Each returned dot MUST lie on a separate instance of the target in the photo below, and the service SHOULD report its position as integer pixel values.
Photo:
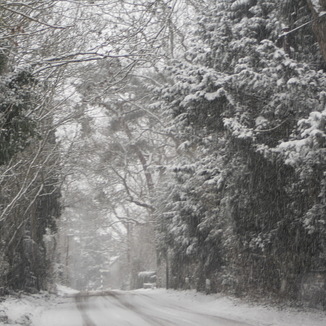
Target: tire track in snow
(81, 303)
(149, 311)
(152, 320)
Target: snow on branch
(79, 57)
(31, 18)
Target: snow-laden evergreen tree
(248, 100)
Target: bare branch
(32, 18)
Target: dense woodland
(182, 136)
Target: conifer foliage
(247, 100)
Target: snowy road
(148, 307)
(129, 308)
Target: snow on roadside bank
(227, 307)
(22, 309)
(65, 290)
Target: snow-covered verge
(21, 309)
(65, 291)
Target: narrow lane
(128, 308)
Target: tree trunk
(319, 23)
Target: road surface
(129, 308)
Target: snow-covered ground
(149, 307)
(21, 310)
(254, 314)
